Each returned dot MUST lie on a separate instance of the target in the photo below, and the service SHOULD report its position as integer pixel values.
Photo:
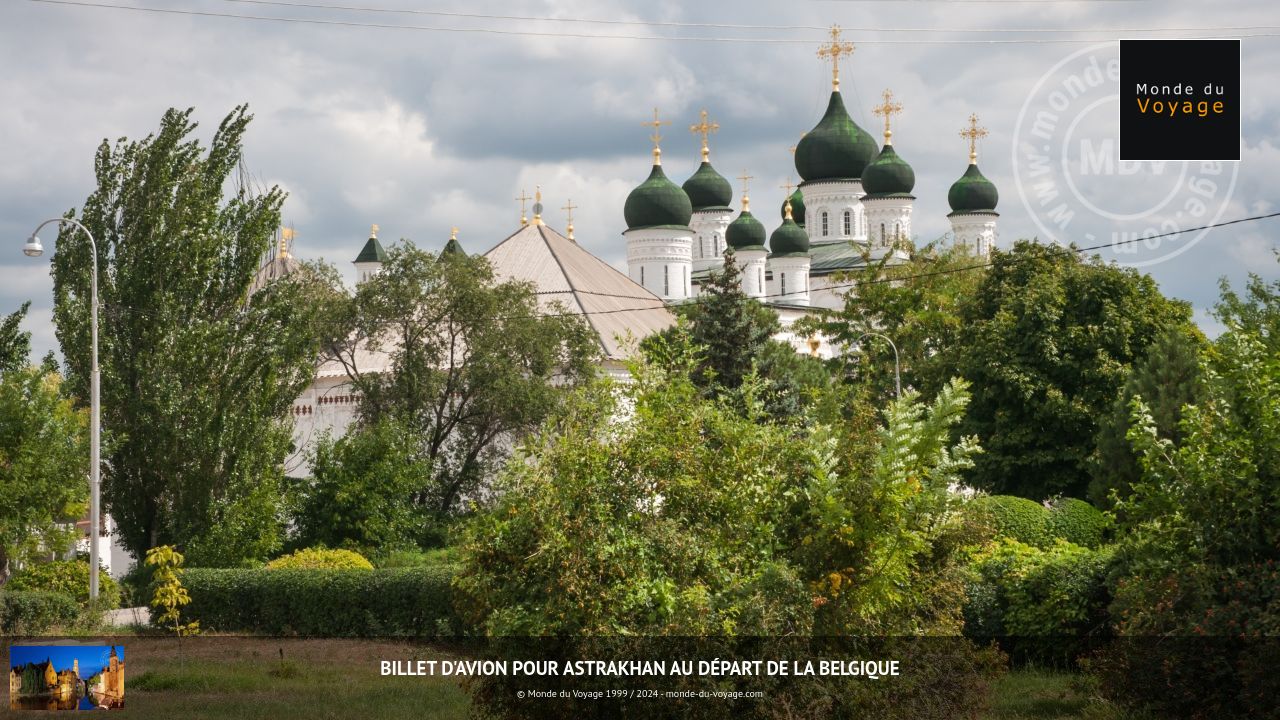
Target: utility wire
(728, 26)
(587, 36)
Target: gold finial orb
(973, 133)
(887, 109)
(835, 50)
(704, 129)
(656, 123)
(537, 205)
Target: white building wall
(975, 229)
(753, 263)
(709, 227)
(790, 280)
(834, 200)
(888, 218)
(661, 260)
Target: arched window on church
(760, 280)
(824, 223)
(784, 283)
(642, 275)
(666, 280)
(883, 237)
(897, 230)
(848, 223)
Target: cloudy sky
(418, 130)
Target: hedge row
(31, 612)
(1029, 522)
(331, 603)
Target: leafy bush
(1019, 591)
(1015, 518)
(321, 559)
(1078, 522)
(68, 577)
(31, 612)
(328, 603)
(419, 558)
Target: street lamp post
(33, 248)
(897, 368)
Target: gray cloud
(419, 131)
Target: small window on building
(642, 275)
(760, 280)
(824, 223)
(666, 279)
(848, 223)
(783, 278)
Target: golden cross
(373, 231)
(286, 237)
(568, 208)
(746, 179)
(524, 198)
(973, 133)
(656, 137)
(453, 233)
(704, 129)
(888, 110)
(834, 50)
(797, 145)
(786, 205)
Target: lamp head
(33, 248)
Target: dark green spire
(836, 148)
(707, 189)
(789, 239)
(888, 174)
(657, 202)
(973, 192)
(372, 251)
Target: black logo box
(1186, 68)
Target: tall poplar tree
(197, 376)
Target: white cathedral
(854, 204)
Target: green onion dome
(888, 174)
(657, 202)
(797, 207)
(973, 192)
(745, 232)
(788, 239)
(836, 148)
(707, 189)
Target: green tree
(474, 362)
(197, 376)
(734, 336)
(1166, 378)
(919, 305)
(1047, 342)
(44, 465)
(360, 494)
(15, 344)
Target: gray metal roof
(613, 304)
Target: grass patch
(1031, 694)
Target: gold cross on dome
(834, 50)
(888, 109)
(704, 129)
(524, 198)
(569, 208)
(453, 233)
(373, 231)
(786, 204)
(973, 133)
(746, 180)
(656, 123)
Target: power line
(945, 271)
(732, 26)
(587, 36)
